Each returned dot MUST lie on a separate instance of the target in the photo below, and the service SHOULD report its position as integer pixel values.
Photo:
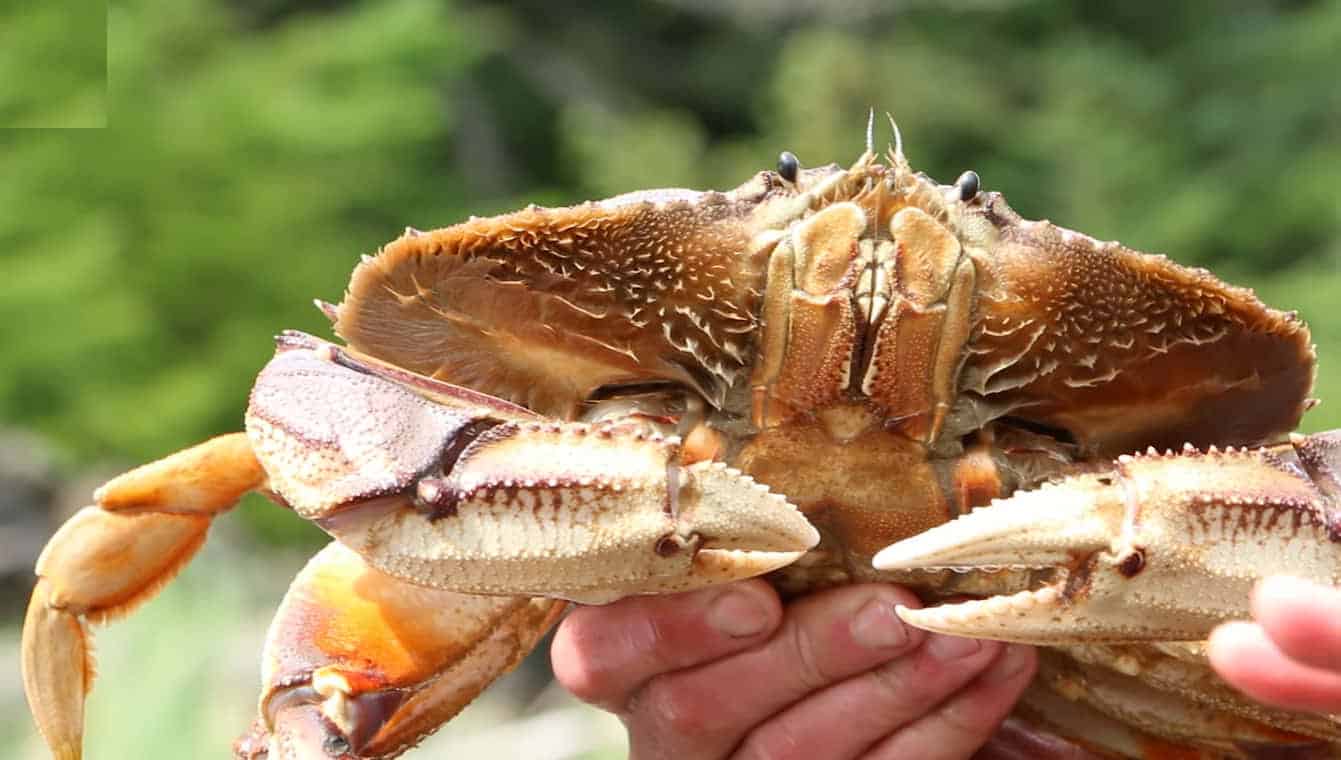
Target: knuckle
(806, 659)
(904, 692)
(775, 741)
(574, 667)
(580, 681)
(892, 685)
(968, 720)
(595, 654)
(666, 708)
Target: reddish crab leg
(110, 557)
(359, 664)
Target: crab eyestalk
(1164, 547)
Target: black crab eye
(968, 184)
(789, 166)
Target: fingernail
(1013, 662)
(738, 614)
(875, 626)
(945, 647)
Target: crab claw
(587, 513)
(452, 490)
(1163, 547)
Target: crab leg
(108, 558)
(358, 664)
(1163, 547)
(1194, 697)
(1094, 707)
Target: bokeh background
(254, 148)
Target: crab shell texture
(825, 375)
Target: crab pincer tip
(1043, 528)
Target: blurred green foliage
(53, 63)
(256, 147)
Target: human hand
(730, 672)
(1291, 656)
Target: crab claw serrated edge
(565, 510)
(1053, 526)
(1164, 547)
(1042, 528)
(745, 532)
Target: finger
(1245, 656)
(1017, 739)
(604, 654)
(825, 638)
(1302, 619)
(963, 723)
(889, 696)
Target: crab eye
(967, 184)
(789, 166)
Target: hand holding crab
(647, 660)
(729, 673)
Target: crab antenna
(898, 136)
(870, 130)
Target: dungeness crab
(673, 388)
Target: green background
(254, 148)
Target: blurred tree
(53, 64)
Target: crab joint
(435, 498)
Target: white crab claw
(451, 490)
(1163, 547)
(1043, 528)
(627, 521)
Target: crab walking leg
(145, 525)
(358, 664)
(1163, 547)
